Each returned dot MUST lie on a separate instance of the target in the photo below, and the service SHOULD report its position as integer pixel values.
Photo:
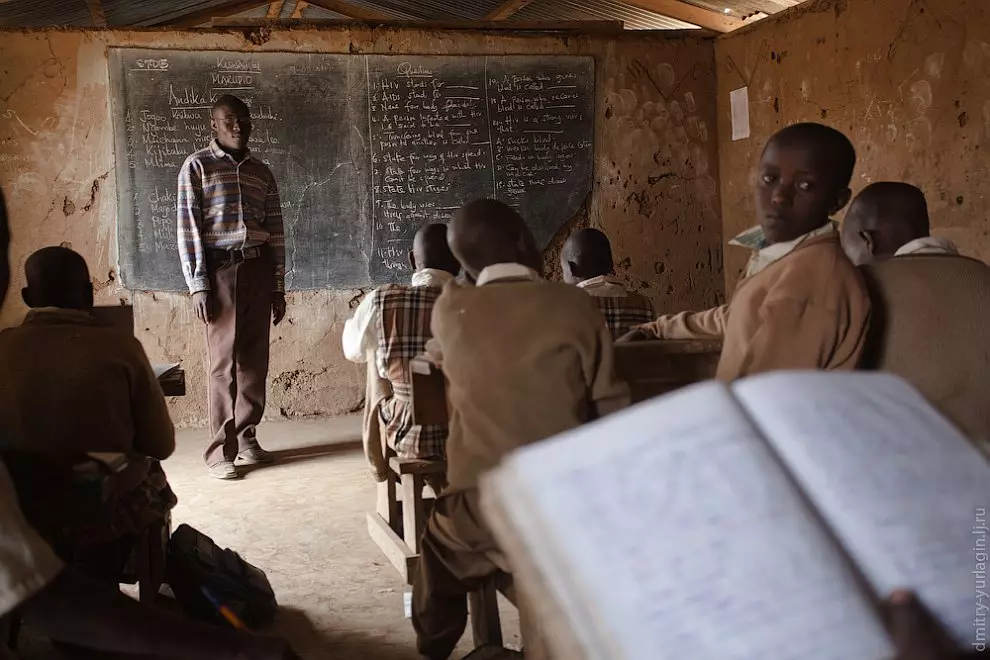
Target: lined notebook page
(670, 531)
(900, 486)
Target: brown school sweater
(932, 328)
(524, 360)
(808, 310)
(70, 384)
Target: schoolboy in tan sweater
(802, 304)
(525, 359)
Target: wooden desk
(652, 368)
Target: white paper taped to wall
(739, 103)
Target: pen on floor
(224, 611)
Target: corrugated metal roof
(598, 10)
(37, 13)
(127, 12)
(434, 10)
(740, 8)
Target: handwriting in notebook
(897, 483)
(699, 546)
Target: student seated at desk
(525, 359)
(70, 385)
(802, 304)
(931, 305)
(586, 261)
(390, 327)
(68, 607)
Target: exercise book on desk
(763, 519)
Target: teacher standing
(232, 248)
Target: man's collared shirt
(226, 205)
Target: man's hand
(635, 334)
(278, 307)
(203, 306)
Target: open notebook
(758, 520)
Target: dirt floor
(302, 521)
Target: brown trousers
(237, 340)
(458, 555)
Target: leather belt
(236, 256)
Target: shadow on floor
(313, 644)
(299, 454)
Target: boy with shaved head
(586, 261)
(802, 304)
(525, 359)
(389, 328)
(932, 305)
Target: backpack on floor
(206, 578)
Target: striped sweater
(226, 205)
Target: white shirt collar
(928, 245)
(506, 271)
(220, 153)
(770, 254)
(599, 281)
(431, 277)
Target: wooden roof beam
(197, 18)
(349, 10)
(507, 9)
(689, 13)
(96, 12)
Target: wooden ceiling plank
(349, 10)
(507, 9)
(689, 13)
(298, 10)
(275, 9)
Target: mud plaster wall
(655, 191)
(907, 80)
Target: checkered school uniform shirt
(623, 310)
(403, 316)
(226, 205)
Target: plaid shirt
(403, 315)
(226, 205)
(623, 310)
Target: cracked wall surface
(907, 80)
(655, 190)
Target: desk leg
(413, 511)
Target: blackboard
(365, 149)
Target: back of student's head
(586, 254)
(431, 250)
(883, 218)
(57, 277)
(487, 232)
